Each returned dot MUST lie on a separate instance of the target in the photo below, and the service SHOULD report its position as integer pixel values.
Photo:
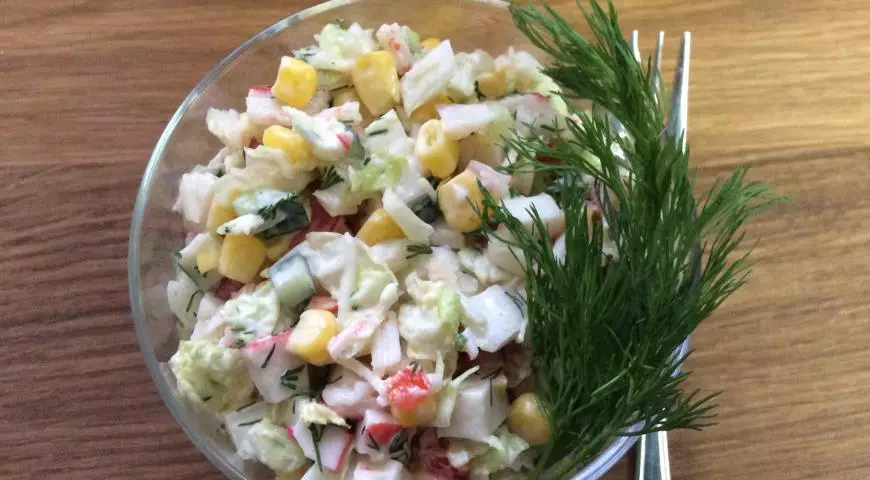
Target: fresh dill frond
(417, 249)
(605, 333)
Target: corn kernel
(292, 143)
(345, 95)
(311, 335)
(241, 257)
(376, 80)
(430, 43)
(208, 255)
(278, 246)
(527, 420)
(219, 214)
(296, 82)
(422, 414)
(427, 111)
(455, 199)
(435, 151)
(379, 227)
(493, 84)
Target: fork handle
(652, 457)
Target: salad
(338, 306)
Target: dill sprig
(605, 332)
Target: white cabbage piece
(386, 346)
(503, 255)
(337, 48)
(428, 77)
(251, 316)
(269, 363)
(546, 207)
(225, 159)
(445, 236)
(357, 332)
(413, 227)
(388, 134)
(235, 130)
(475, 262)
(534, 113)
(447, 398)
(469, 66)
(181, 296)
(195, 190)
(461, 451)
(392, 253)
(271, 445)
(239, 422)
(481, 406)
(349, 395)
(386, 470)
(339, 199)
(329, 138)
(460, 121)
(264, 110)
(504, 449)
(345, 113)
(496, 318)
(209, 375)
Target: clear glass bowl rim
(603, 462)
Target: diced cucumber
(256, 199)
(293, 216)
(426, 208)
(292, 279)
(282, 212)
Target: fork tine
(679, 108)
(635, 48)
(656, 74)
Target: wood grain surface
(87, 86)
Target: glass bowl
(156, 231)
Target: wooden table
(86, 87)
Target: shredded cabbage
(428, 77)
(251, 316)
(504, 448)
(337, 48)
(209, 375)
(379, 171)
(272, 446)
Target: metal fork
(653, 462)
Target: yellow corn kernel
(527, 420)
(423, 414)
(493, 84)
(427, 111)
(241, 257)
(435, 151)
(219, 214)
(296, 82)
(430, 43)
(376, 80)
(345, 95)
(278, 246)
(455, 199)
(208, 255)
(311, 335)
(379, 227)
(292, 143)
